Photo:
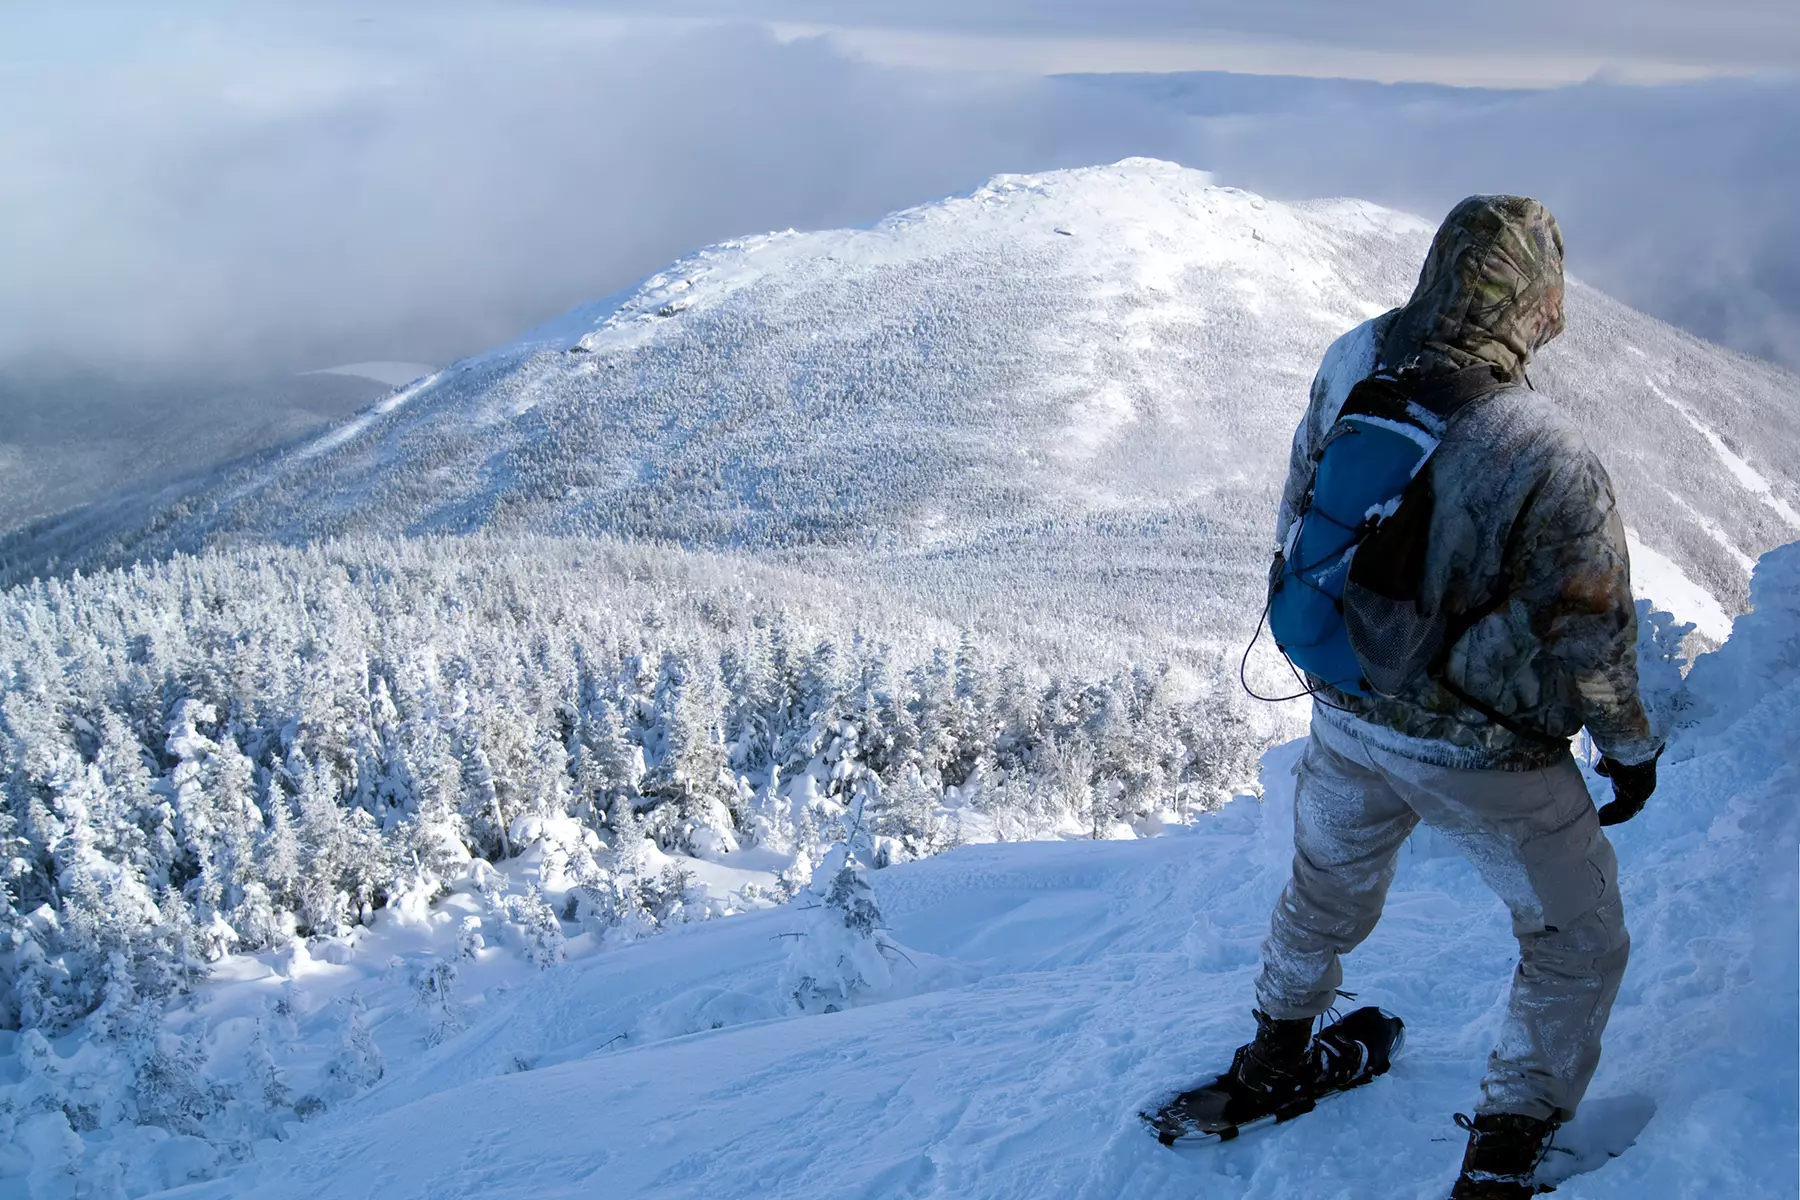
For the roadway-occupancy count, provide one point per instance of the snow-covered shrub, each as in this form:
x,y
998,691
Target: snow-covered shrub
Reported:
x,y
641,893
1662,680
535,925
843,951
170,1086
355,1064
434,985
469,940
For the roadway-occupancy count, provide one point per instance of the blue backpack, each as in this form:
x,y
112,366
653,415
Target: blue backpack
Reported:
x,y
1344,602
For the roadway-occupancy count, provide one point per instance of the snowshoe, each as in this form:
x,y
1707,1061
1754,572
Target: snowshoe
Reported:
x,y
1269,1081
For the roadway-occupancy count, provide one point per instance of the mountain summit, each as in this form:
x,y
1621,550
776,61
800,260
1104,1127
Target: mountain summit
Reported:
x,y
1073,374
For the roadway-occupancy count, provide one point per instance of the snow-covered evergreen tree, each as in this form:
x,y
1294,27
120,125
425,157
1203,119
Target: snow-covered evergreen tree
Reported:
x,y
266,1097
229,751
842,952
908,814
355,1064
686,794
611,765
169,1084
537,928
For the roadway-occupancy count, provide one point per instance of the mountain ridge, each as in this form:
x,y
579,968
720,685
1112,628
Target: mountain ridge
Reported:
x,y
1016,372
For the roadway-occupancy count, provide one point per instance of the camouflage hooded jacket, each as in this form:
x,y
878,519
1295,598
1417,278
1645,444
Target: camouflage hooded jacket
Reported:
x,y
1524,512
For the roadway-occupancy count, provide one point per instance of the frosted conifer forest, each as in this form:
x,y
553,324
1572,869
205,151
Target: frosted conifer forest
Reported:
x,y
778,732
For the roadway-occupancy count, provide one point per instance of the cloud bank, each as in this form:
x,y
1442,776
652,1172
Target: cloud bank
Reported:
x,y
1673,198
217,193
326,203
1630,34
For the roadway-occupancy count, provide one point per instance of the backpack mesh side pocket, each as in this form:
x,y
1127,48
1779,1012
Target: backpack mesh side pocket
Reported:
x,y
1394,635
1395,643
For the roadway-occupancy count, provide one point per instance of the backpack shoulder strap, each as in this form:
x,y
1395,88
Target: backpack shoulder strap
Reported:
x,y
1428,403
1447,395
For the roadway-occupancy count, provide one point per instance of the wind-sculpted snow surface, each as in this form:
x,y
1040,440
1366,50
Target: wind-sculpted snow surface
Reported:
x,y
1050,990
1085,380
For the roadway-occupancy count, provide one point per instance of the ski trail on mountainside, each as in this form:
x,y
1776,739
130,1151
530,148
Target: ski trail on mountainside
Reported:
x,y
1752,480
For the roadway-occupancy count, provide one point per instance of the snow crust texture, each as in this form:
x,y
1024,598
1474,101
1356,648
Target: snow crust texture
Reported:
x,y
1057,988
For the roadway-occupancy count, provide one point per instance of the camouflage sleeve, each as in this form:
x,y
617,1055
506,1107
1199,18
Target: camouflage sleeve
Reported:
x,y
1574,577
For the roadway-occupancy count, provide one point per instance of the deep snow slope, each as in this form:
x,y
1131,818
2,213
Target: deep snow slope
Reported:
x,y
1054,988
1085,378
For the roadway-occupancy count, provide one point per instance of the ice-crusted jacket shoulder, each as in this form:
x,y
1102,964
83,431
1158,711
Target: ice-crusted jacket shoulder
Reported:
x,y
1524,523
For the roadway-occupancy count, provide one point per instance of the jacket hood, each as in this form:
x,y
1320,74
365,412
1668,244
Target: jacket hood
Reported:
x,y
1491,291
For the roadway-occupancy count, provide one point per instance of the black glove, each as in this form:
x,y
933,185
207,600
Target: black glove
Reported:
x,y
1631,788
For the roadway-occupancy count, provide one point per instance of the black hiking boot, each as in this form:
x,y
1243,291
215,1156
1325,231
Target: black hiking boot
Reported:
x,y
1277,1063
1502,1159
1281,1074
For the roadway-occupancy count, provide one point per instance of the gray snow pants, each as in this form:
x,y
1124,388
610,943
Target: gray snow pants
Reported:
x,y
1535,839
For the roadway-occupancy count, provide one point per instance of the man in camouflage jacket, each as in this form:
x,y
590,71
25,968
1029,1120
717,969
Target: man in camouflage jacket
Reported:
x,y
1525,539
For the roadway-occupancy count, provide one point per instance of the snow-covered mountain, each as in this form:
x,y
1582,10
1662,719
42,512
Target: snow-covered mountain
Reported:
x,y
1085,377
